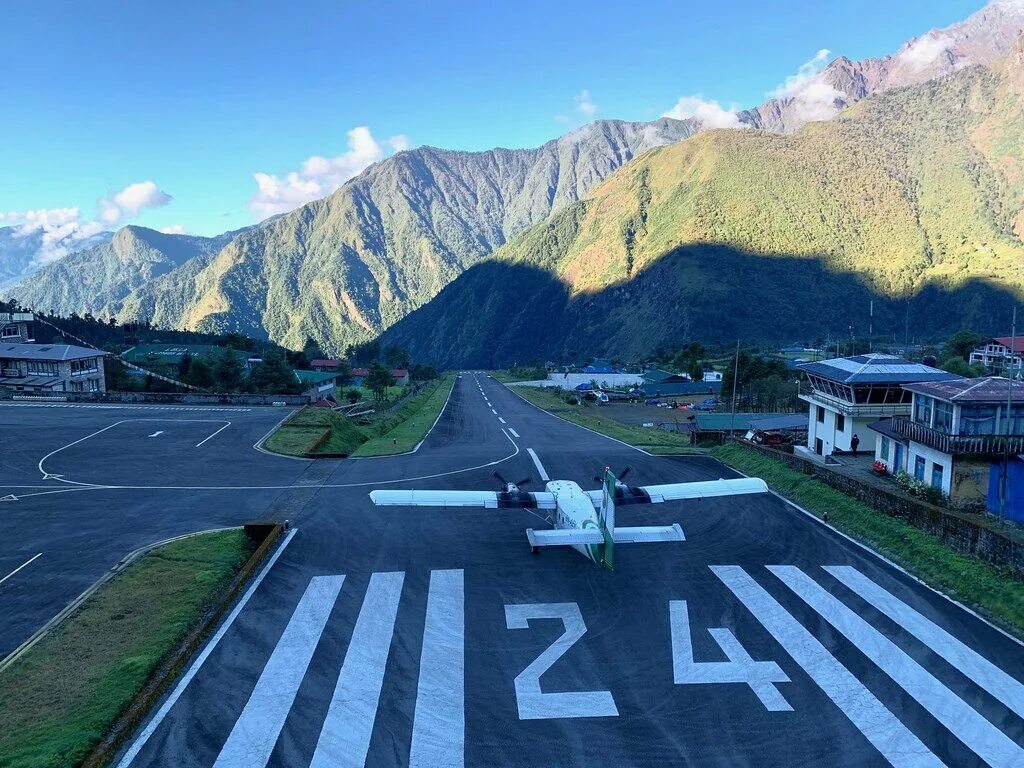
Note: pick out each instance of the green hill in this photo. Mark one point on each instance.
(913, 198)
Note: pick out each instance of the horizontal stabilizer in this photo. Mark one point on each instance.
(564, 537)
(648, 533)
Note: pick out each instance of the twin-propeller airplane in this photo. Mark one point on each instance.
(583, 520)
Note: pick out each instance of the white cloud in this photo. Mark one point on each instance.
(709, 112)
(585, 105)
(924, 51)
(811, 96)
(130, 201)
(175, 229)
(319, 176)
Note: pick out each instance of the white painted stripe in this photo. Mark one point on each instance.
(439, 726)
(152, 725)
(210, 437)
(5, 578)
(345, 736)
(514, 433)
(502, 420)
(987, 741)
(536, 462)
(890, 737)
(980, 670)
(256, 731)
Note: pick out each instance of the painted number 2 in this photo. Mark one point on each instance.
(532, 702)
(761, 676)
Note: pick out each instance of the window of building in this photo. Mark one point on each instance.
(943, 416)
(11, 330)
(884, 450)
(978, 420)
(937, 476)
(93, 385)
(919, 468)
(840, 422)
(41, 368)
(76, 386)
(1016, 421)
(83, 366)
(821, 415)
(923, 410)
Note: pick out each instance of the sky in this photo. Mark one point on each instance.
(203, 117)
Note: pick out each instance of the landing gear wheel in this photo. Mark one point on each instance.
(535, 550)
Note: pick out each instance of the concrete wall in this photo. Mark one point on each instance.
(162, 398)
(963, 532)
(931, 458)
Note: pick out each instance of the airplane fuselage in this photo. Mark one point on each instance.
(574, 511)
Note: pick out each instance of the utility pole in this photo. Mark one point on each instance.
(871, 328)
(735, 378)
(1003, 500)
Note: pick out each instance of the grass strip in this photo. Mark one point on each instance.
(312, 431)
(402, 430)
(989, 589)
(659, 441)
(61, 697)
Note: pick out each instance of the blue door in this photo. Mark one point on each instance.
(897, 465)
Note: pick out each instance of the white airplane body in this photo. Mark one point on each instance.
(583, 520)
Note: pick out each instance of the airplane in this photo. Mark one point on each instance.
(583, 520)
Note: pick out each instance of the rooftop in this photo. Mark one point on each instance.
(875, 369)
(1017, 344)
(171, 352)
(991, 389)
(314, 377)
(52, 352)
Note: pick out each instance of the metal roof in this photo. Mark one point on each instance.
(315, 377)
(990, 389)
(52, 352)
(875, 369)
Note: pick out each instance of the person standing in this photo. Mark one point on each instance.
(854, 442)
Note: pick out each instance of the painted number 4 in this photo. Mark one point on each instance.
(761, 676)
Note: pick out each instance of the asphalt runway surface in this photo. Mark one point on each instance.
(424, 636)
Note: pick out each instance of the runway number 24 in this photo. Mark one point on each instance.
(534, 704)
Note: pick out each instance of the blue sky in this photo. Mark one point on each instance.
(197, 97)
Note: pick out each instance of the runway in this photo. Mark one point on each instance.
(394, 636)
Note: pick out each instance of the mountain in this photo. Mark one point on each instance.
(341, 269)
(24, 251)
(913, 199)
(98, 279)
(980, 39)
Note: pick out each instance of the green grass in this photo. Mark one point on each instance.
(658, 441)
(60, 698)
(989, 589)
(312, 431)
(402, 430)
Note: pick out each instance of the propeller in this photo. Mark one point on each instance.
(511, 488)
(619, 478)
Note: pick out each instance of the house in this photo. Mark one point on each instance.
(848, 393)
(46, 368)
(14, 327)
(664, 384)
(318, 384)
(599, 366)
(400, 375)
(956, 437)
(995, 353)
(324, 364)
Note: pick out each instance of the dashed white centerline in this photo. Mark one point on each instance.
(494, 412)
(502, 420)
(514, 433)
(5, 578)
(536, 462)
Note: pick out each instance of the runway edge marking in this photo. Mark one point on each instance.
(169, 702)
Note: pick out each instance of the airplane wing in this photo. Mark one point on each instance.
(564, 537)
(655, 494)
(648, 533)
(486, 499)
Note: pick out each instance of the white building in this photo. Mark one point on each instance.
(15, 328)
(995, 355)
(956, 436)
(848, 393)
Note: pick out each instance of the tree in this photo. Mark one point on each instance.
(344, 373)
(378, 379)
(957, 365)
(396, 357)
(961, 344)
(184, 364)
(353, 395)
(228, 371)
(312, 350)
(274, 375)
(200, 374)
(696, 370)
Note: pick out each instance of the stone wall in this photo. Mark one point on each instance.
(162, 398)
(970, 534)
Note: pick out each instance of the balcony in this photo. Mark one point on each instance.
(969, 445)
(817, 397)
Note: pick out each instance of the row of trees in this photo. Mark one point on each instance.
(224, 371)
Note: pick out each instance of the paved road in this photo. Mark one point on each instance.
(430, 636)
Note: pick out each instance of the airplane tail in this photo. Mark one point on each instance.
(606, 518)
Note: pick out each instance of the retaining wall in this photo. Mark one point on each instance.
(161, 398)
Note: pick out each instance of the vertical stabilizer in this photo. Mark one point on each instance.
(606, 518)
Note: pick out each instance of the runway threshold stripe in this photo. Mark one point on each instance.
(964, 722)
(345, 736)
(439, 725)
(890, 737)
(257, 729)
(1008, 690)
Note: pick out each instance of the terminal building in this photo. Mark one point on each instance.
(50, 368)
(849, 393)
